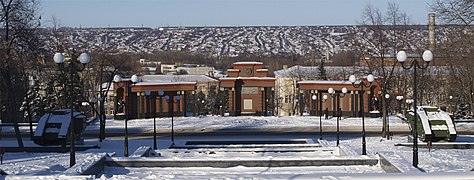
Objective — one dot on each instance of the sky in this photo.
(163, 13)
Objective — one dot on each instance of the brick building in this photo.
(349, 103)
(250, 90)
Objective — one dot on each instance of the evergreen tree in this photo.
(322, 71)
(213, 101)
(201, 103)
(50, 98)
(32, 105)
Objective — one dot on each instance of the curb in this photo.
(386, 165)
(226, 163)
(93, 167)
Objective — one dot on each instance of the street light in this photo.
(160, 94)
(332, 92)
(315, 98)
(148, 93)
(409, 102)
(451, 107)
(387, 97)
(84, 58)
(362, 84)
(171, 111)
(118, 79)
(427, 58)
(399, 99)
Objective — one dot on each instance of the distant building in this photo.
(250, 90)
(109, 98)
(150, 67)
(194, 69)
(143, 105)
(167, 68)
(349, 103)
(286, 84)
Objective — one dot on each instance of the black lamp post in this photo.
(399, 100)
(333, 93)
(451, 107)
(427, 58)
(160, 94)
(148, 94)
(313, 103)
(315, 98)
(409, 102)
(134, 79)
(199, 106)
(171, 102)
(387, 99)
(362, 84)
(84, 58)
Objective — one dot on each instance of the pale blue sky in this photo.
(162, 13)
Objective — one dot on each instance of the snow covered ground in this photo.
(446, 163)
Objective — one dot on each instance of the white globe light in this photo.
(314, 97)
(330, 90)
(84, 58)
(401, 56)
(399, 98)
(352, 79)
(387, 96)
(427, 56)
(344, 90)
(117, 78)
(325, 97)
(370, 78)
(134, 78)
(161, 93)
(167, 98)
(58, 58)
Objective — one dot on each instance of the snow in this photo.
(446, 163)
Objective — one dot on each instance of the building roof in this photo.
(249, 62)
(162, 83)
(178, 78)
(247, 78)
(326, 82)
(312, 72)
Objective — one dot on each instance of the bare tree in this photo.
(454, 11)
(387, 34)
(18, 44)
(459, 48)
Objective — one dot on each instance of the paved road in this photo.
(310, 130)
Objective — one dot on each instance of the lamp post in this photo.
(148, 94)
(333, 93)
(399, 100)
(409, 102)
(427, 58)
(84, 58)
(321, 101)
(171, 102)
(160, 94)
(451, 107)
(118, 79)
(314, 98)
(362, 85)
(387, 98)
(203, 105)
